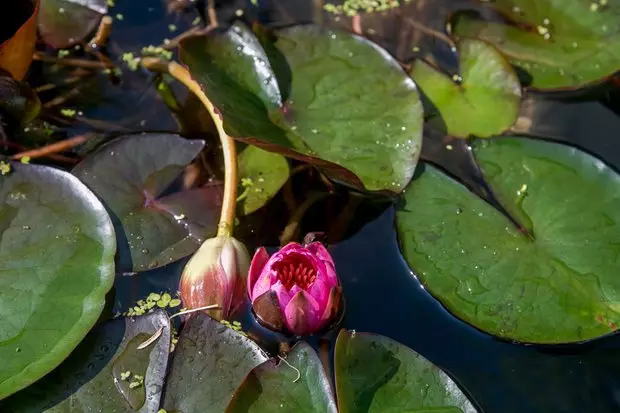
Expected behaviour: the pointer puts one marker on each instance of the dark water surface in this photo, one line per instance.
(382, 294)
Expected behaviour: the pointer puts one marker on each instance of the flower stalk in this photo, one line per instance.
(182, 75)
(216, 273)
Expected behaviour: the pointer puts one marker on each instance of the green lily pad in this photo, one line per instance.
(56, 263)
(560, 44)
(100, 372)
(377, 375)
(483, 102)
(210, 362)
(261, 174)
(132, 175)
(553, 278)
(57, 20)
(330, 98)
(275, 386)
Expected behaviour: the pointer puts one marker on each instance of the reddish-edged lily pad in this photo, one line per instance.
(330, 98)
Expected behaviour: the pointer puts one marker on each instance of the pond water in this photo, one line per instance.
(382, 294)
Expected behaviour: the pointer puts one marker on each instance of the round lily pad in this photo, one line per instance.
(326, 97)
(377, 375)
(544, 273)
(57, 250)
(558, 44)
(483, 101)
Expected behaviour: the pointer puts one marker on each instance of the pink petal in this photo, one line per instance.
(319, 290)
(328, 269)
(330, 274)
(318, 250)
(263, 285)
(301, 315)
(291, 246)
(256, 267)
(284, 296)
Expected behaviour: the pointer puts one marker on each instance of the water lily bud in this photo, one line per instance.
(296, 289)
(216, 274)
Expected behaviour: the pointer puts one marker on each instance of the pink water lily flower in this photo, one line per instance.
(295, 289)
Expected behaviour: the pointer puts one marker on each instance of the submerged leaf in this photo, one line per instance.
(329, 98)
(63, 23)
(133, 175)
(553, 278)
(377, 375)
(101, 370)
(559, 44)
(298, 384)
(483, 102)
(57, 262)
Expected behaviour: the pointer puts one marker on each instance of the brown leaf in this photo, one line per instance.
(16, 53)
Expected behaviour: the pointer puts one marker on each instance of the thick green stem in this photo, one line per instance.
(227, 216)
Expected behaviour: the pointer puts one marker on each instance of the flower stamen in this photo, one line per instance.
(296, 273)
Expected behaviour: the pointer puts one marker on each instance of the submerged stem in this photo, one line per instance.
(227, 217)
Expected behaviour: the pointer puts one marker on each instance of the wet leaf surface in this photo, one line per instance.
(16, 52)
(321, 96)
(57, 264)
(275, 386)
(262, 174)
(133, 176)
(483, 102)
(57, 20)
(96, 376)
(375, 374)
(210, 362)
(559, 44)
(550, 280)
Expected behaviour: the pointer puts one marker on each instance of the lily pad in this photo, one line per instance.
(262, 174)
(560, 44)
(57, 20)
(57, 263)
(210, 362)
(377, 375)
(550, 279)
(132, 175)
(100, 372)
(275, 386)
(330, 98)
(483, 102)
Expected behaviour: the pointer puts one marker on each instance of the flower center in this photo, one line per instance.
(296, 272)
